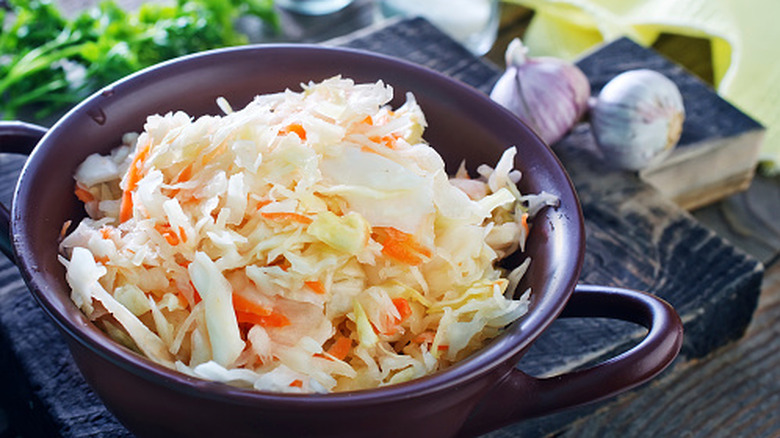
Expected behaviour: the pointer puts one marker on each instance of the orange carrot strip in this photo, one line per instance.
(272, 320)
(401, 254)
(169, 235)
(388, 140)
(133, 176)
(83, 194)
(184, 175)
(297, 383)
(424, 337)
(282, 263)
(524, 222)
(241, 304)
(316, 286)
(263, 203)
(105, 232)
(403, 307)
(182, 299)
(286, 216)
(340, 348)
(195, 295)
(400, 246)
(126, 207)
(296, 128)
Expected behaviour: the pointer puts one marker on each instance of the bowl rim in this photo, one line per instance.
(487, 360)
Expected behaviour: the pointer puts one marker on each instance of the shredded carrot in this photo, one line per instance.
(316, 286)
(444, 347)
(424, 337)
(241, 304)
(404, 309)
(105, 231)
(183, 176)
(286, 216)
(388, 140)
(272, 320)
(282, 263)
(83, 194)
(133, 176)
(340, 348)
(384, 118)
(400, 246)
(296, 128)
(195, 295)
(393, 322)
(126, 207)
(297, 383)
(102, 259)
(524, 222)
(263, 203)
(170, 236)
(182, 299)
(254, 313)
(182, 234)
(368, 120)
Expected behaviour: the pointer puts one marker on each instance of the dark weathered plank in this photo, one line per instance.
(733, 392)
(750, 219)
(635, 239)
(418, 41)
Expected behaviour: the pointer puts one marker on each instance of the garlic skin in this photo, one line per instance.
(637, 119)
(550, 95)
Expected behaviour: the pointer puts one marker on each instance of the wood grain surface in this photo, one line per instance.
(732, 392)
(635, 238)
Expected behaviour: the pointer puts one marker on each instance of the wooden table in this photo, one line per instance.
(732, 391)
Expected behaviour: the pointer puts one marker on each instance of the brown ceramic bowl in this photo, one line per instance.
(481, 393)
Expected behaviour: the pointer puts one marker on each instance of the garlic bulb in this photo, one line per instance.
(548, 94)
(637, 119)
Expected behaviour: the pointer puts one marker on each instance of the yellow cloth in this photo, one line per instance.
(744, 35)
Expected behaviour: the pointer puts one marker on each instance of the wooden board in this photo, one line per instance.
(635, 238)
(734, 392)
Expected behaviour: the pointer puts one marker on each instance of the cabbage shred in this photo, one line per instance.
(310, 242)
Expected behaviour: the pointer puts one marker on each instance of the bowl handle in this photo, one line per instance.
(17, 138)
(519, 396)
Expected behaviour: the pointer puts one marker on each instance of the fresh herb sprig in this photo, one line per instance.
(49, 62)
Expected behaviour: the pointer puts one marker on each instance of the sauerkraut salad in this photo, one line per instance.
(310, 242)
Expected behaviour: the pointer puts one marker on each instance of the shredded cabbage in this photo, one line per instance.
(310, 242)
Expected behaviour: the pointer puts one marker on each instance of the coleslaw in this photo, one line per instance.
(309, 242)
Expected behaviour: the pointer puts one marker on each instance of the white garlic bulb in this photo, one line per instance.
(550, 95)
(637, 119)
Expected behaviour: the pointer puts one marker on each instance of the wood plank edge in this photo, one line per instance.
(702, 175)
